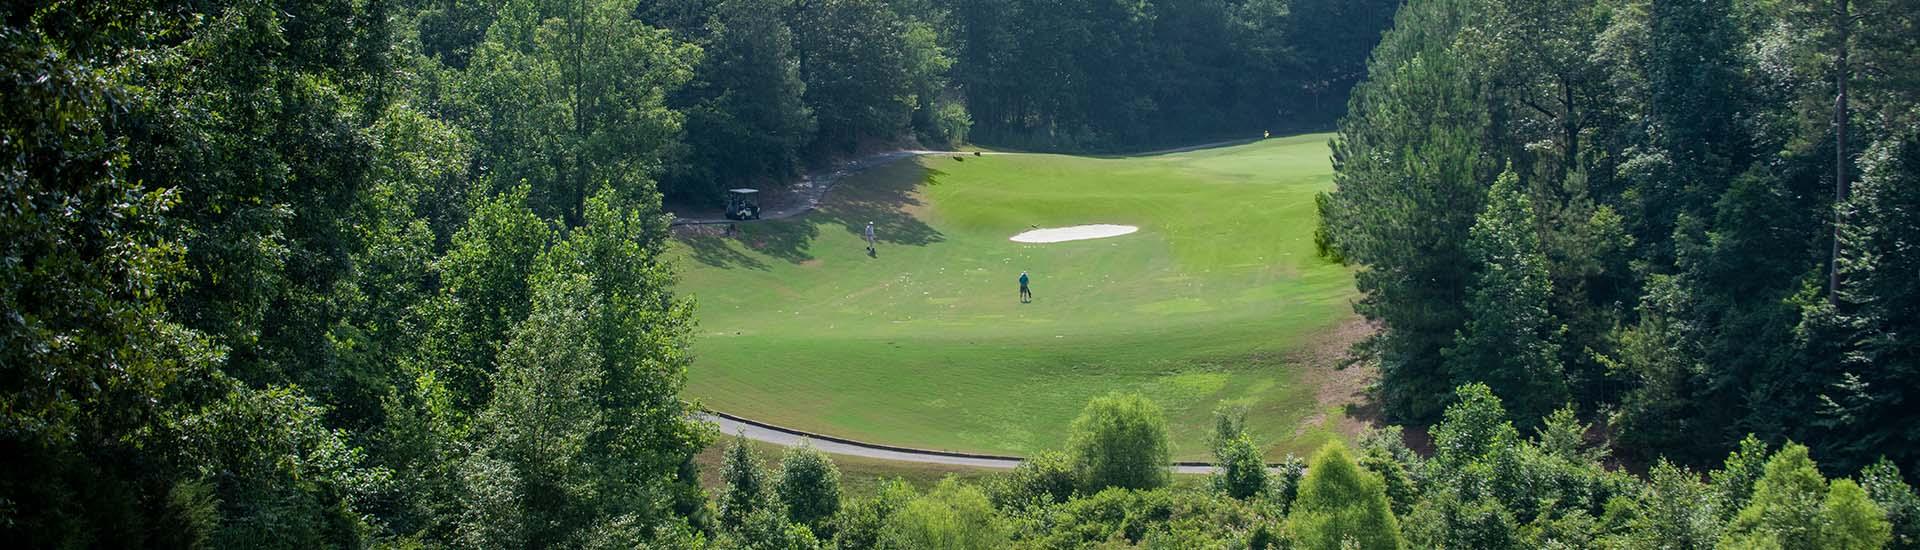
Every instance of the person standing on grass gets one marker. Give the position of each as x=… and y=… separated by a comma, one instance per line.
x=1026, y=296
x=869, y=235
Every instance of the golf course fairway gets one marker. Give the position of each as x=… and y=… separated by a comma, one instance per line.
x=1215, y=299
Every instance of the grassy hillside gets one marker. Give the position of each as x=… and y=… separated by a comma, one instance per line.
x=1215, y=299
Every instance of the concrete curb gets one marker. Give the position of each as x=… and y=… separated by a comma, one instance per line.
x=1190, y=464
x=857, y=443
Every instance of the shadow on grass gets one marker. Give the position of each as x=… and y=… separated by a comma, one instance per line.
x=1123, y=152
x=883, y=195
x=713, y=245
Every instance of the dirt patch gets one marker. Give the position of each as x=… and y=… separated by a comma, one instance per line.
x=1341, y=382
x=1074, y=233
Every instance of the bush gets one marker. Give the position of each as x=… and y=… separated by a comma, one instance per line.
x=748, y=489
x=1793, y=507
x=1161, y=518
x=1242, y=470
x=1046, y=478
x=859, y=525
x=1883, y=482
x=1339, y=502
x=809, y=486
x=1284, y=484
x=1120, y=441
x=952, y=516
x=766, y=529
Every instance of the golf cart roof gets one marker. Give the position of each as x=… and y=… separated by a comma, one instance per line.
x=744, y=191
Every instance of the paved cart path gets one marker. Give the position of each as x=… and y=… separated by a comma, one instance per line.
x=732, y=425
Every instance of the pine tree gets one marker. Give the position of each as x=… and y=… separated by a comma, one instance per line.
x=1510, y=341
x=749, y=488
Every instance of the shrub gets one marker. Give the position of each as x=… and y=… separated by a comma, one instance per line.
x=809, y=487
x=1340, y=502
x=1046, y=478
x=748, y=488
x=1242, y=469
x=951, y=517
x=1120, y=441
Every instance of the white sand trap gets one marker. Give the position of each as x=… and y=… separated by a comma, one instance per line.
x=1075, y=233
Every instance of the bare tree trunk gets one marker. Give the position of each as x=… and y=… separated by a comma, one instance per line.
x=1844, y=20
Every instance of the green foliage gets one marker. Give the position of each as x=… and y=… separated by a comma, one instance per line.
x=1674, y=510
x=1851, y=521
x=485, y=289
x=1119, y=440
x=1793, y=507
x=1563, y=436
x=1696, y=233
x=765, y=529
x=1733, y=484
x=951, y=516
x=747, y=119
x=809, y=489
x=338, y=274
x=1243, y=468
x=861, y=522
x=1284, y=485
x=1160, y=518
x=1511, y=342
x=1340, y=502
x=1046, y=478
x=280, y=478
x=1242, y=471
x=1475, y=428
x=90, y=359
x=1446, y=519
x=534, y=469
x=549, y=115
x=1108, y=76
x=856, y=58
x=749, y=487
x=1409, y=166
x=1883, y=482
x=1394, y=477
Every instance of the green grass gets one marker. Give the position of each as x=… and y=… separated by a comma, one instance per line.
x=927, y=346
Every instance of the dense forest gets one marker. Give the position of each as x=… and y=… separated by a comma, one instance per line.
x=1694, y=220
x=322, y=273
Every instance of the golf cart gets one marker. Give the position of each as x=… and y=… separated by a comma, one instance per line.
x=743, y=204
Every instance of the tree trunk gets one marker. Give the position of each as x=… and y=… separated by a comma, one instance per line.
x=1844, y=21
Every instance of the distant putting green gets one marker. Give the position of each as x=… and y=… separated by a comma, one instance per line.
x=926, y=344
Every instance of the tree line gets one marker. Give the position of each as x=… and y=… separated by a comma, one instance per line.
x=1104, y=75
x=1485, y=486
x=1691, y=220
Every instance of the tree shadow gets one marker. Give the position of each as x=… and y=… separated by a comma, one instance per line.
x=1126, y=152
x=713, y=245
x=789, y=239
x=884, y=195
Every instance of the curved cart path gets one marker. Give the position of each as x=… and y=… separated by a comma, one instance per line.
x=786, y=437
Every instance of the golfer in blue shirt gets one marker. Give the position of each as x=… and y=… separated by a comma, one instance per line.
x=1026, y=296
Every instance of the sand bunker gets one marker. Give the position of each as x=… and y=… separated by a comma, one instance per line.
x=1075, y=233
